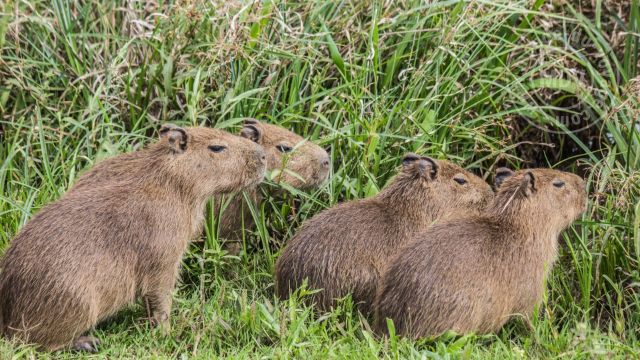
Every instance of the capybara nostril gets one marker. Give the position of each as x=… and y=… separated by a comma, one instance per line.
x=323, y=161
x=260, y=154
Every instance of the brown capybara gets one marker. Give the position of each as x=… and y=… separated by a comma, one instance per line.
x=83, y=257
x=290, y=159
x=343, y=249
x=471, y=274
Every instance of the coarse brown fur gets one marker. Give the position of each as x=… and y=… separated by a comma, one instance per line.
x=471, y=274
x=290, y=159
x=82, y=258
x=343, y=249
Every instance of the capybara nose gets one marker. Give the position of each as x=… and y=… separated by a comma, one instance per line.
x=261, y=155
x=323, y=159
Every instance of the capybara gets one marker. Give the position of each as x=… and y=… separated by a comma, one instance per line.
x=82, y=258
x=471, y=274
x=342, y=250
x=290, y=158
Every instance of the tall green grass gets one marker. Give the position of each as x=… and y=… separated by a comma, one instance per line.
x=80, y=81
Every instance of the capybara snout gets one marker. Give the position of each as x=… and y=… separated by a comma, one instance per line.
x=292, y=159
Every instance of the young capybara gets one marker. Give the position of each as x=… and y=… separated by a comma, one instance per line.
x=293, y=160
x=343, y=249
x=97, y=249
x=471, y=274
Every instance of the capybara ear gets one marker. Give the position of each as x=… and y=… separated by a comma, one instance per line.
x=426, y=166
x=528, y=184
x=502, y=174
x=432, y=164
x=175, y=136
x=251, y=131
x=409, y=159
x=251, y=121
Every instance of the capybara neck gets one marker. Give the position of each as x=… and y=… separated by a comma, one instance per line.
x=150, y=170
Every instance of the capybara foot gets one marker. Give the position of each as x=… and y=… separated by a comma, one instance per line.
x=232, y=247
x=161, y=322
x=87, y=344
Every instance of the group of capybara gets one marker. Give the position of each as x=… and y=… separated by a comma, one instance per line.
x=436, y=250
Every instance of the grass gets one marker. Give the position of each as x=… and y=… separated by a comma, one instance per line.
x=80, y=81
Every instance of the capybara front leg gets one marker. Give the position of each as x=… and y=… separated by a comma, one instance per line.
x=160, y=299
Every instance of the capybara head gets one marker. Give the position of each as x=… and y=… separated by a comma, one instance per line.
x=549, y=195
x=210, y=160
x=292, y=159
x=453, y=187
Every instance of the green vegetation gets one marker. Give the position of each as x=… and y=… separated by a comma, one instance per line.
x=462, y=80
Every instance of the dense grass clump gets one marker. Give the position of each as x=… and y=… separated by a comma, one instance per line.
x=481, y=83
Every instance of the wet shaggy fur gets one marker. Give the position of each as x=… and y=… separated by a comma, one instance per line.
x=471, y=274
x=290, y=159
x=343, y=249
x=103, y=245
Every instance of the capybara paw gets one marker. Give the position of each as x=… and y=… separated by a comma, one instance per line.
x=165, y=328
x=162, y=323
x=86, y=344
x=232, y=247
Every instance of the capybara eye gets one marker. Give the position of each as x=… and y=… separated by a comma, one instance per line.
x=217, y=148
x=558, y=183
x=284, y=148
x=460, y=180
